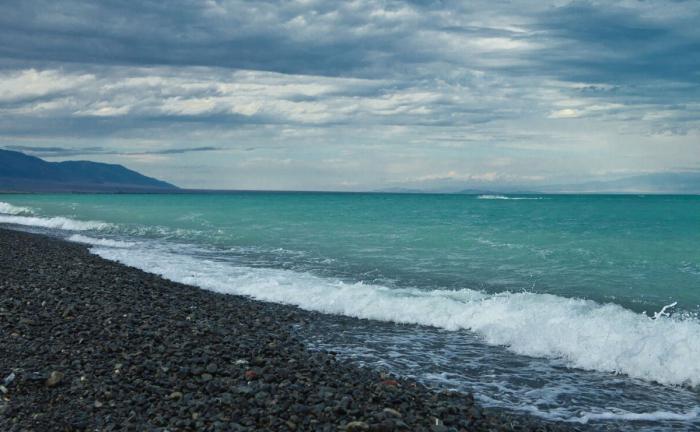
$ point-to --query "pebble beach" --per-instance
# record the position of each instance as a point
(89, 344)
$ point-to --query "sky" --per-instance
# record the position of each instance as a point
(355, 95)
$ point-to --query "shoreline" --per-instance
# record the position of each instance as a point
(91, 344)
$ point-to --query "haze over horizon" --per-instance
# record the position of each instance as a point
(361, 95)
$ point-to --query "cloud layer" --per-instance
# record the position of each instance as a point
(358, 95)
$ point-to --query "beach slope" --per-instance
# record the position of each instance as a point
(89, 344)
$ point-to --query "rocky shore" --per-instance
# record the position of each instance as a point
(88, 344)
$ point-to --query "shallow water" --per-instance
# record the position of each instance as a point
(554, 305)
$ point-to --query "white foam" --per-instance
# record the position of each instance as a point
(79, 238)
(503, 197)
(61, 223)
(585, 334)
(7, 208)
(630, 416)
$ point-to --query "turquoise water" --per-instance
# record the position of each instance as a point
(641, 252)
(606, 284)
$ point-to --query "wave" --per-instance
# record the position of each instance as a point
(79, 238)
(7, 208)
(59, 222)
(583, 333)
(503, 197)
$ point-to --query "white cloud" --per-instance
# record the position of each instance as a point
(565, 113)
(31, 83)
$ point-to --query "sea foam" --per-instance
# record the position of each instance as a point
(9, 209)
(503, 197)
(631, 416)
(583, 333)
(79, 238)
(58, 222)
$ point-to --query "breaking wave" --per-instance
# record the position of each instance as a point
(58, 222)
(6, 208)
(583, 333)
(79, 238)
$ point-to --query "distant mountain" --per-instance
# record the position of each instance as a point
(657, 183)
(681, 183)
(23, 173)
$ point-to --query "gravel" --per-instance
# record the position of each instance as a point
(89, 344)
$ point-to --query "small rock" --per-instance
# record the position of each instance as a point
(54, 379)
(36, 376)
(207, 377)
(354, 426)
(3, 389)
(244, 390)
(211, 368)
(8, 379)
(226, 398)
(250, 375)
(474, 412)
(345, 402)
(391, 412)
(390, 383)
(98, 404)
(175, 395)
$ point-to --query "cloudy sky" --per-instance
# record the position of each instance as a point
(355, 95)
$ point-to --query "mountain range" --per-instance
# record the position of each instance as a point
(681, 182)
(20, 172)
(686, 182)
(23, 173)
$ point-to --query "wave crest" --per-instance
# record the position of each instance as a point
(79, 238)
(7, 208)
(59, 222)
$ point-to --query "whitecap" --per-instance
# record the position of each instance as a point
(504, 197)
(79, 238)
(58, 222)
(7, 208)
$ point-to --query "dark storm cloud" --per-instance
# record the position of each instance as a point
(579, 41)
(623, 45)
(245, 35)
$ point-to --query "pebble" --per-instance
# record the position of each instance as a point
(8, 379)
(356, 426)
(392, 412)
(54, 379)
